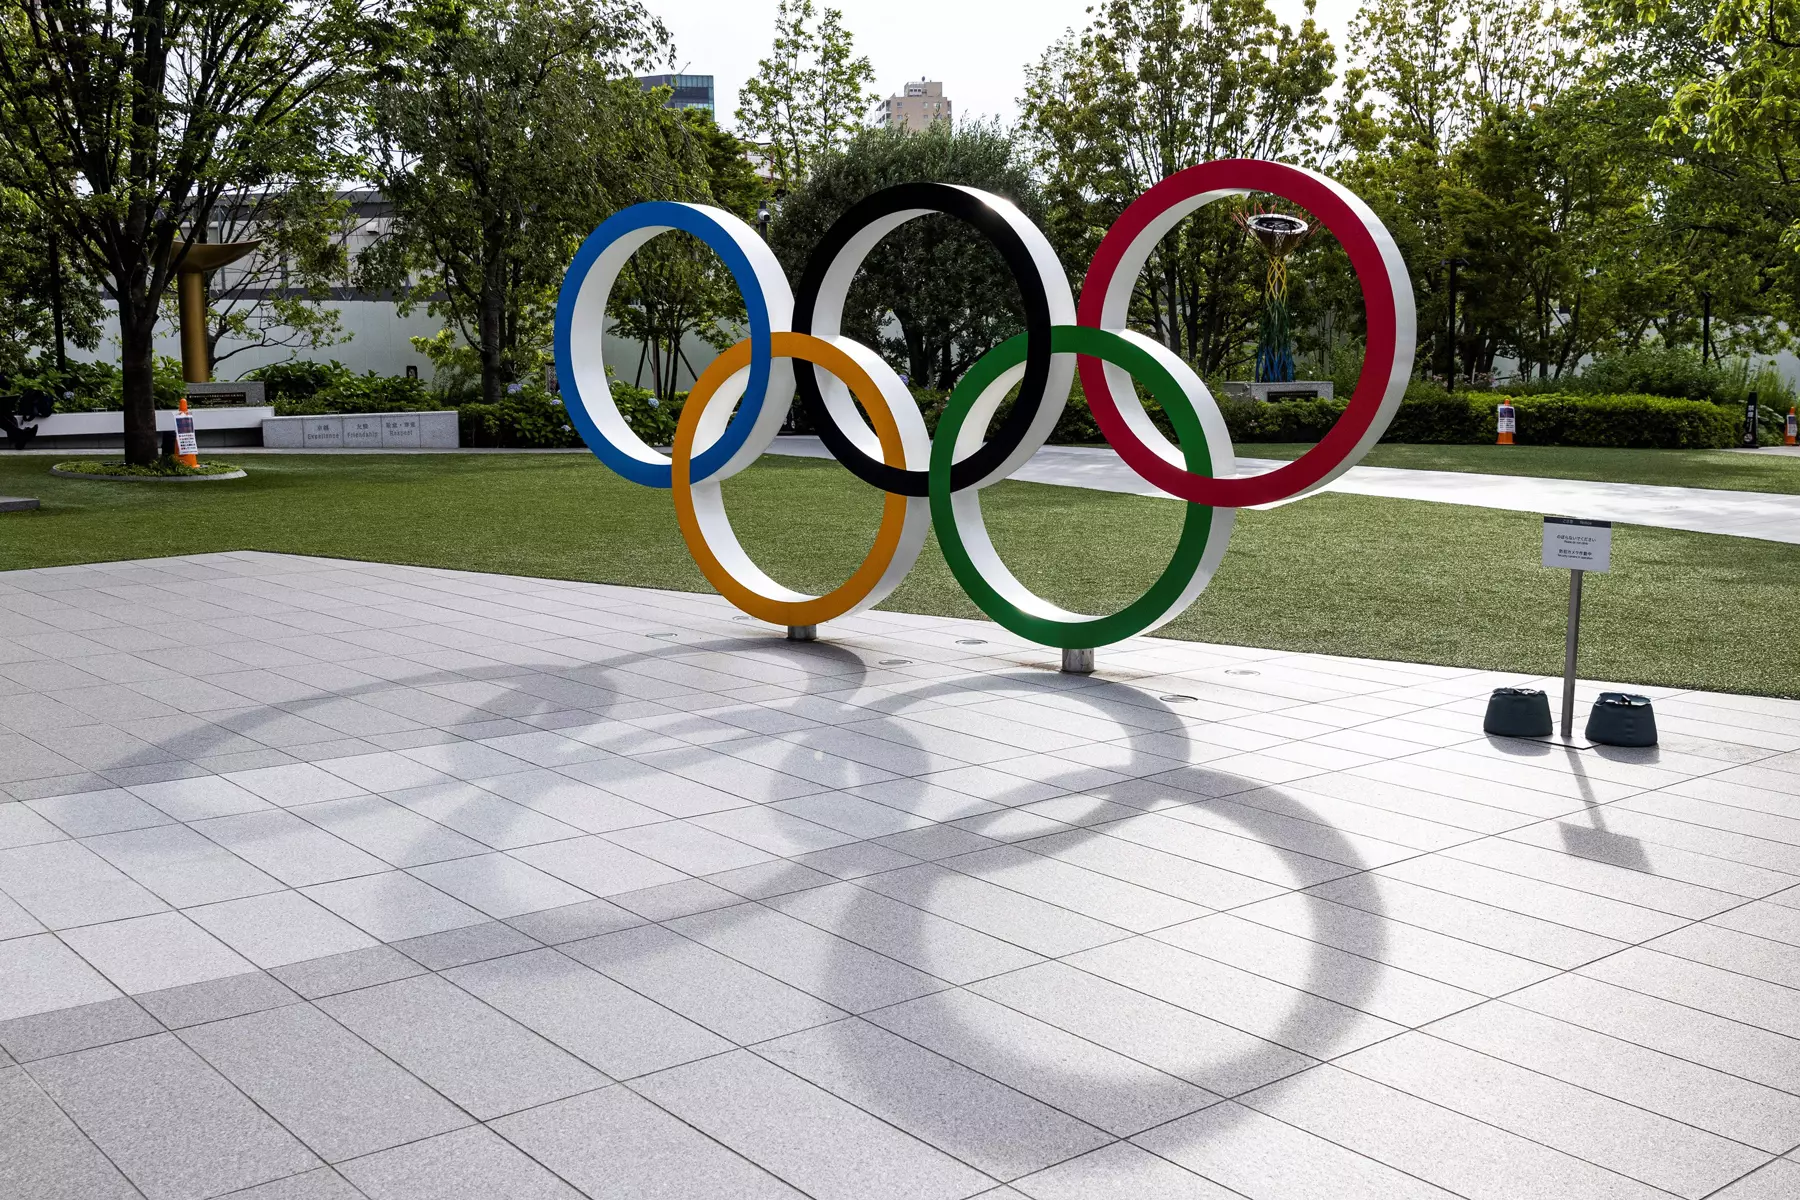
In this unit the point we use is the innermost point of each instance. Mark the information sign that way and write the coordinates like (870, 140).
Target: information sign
(1577, 545)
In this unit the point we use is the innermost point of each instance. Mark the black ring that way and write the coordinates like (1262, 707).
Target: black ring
(969, 208)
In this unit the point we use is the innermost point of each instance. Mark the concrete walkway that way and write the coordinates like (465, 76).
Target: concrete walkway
(1766, 515)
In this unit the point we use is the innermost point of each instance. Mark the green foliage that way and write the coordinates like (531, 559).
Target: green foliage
(129, 120)
(946, 287)
(1430, 416)
(1152, 87)
(650, 418)
(162, 468)
(528, 418)
(503, 131)
(345, 392)
(810, 95)
(297, 379)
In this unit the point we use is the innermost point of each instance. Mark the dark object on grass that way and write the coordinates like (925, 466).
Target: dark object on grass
(1517, 712)
(1620, 719)
(19, 423)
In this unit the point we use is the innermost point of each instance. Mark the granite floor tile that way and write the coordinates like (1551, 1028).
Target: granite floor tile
(1698, 985)
(1707, 1099)
(1627, 1140)
(1311, 966)
(707, 987)
(615, 1145)
(482, 1060)
(582, 806)
(1161, 1035)
(1257, 1156)
(1267, 1008)
(347, 972)
(1773, 1182)
(832, 968)
(294, 784)
(278, 929)
(394, 834)
(87, 813)
(199, 799)
(43, 1156)
(752, 1106)
(605, 1024)
(393, 906)
(1673, 1028)
(573, 922)
(986, 1124)
(1088, 1081)
(180, 866)
(488, 818)
(904, 933)
(469, 1164)
(1437, 1145)
(1025, 921)
(1121, 1169)
(217, 999)
(168, 1121)
(290, 849)
(322, 1184)
(148, 954)
(40, 974)
(64, 884)
(82, 1027)
(597, 866)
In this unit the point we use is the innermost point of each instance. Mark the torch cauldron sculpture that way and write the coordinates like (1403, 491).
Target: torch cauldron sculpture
(1279, 235)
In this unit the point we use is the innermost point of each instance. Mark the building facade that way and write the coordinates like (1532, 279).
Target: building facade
(916, 107)
(690, 91)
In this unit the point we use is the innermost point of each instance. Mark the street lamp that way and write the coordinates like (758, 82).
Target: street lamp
(762, 218)
(1450, 339)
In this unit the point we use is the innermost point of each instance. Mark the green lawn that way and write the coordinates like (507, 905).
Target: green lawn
(1672, 468)
(1339, 574)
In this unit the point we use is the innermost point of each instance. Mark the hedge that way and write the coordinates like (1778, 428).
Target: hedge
(1634, 422)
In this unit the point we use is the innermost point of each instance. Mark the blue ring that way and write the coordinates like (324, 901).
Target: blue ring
(688, 219)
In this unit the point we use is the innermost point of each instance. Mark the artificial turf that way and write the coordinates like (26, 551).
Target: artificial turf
(1336, 574)
(1725, 469)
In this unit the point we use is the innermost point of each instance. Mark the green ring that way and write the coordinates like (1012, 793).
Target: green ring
(1154, 605)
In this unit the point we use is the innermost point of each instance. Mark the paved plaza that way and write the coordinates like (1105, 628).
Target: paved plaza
(324, 879)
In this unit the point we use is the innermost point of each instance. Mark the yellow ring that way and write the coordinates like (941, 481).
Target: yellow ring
(813, 610)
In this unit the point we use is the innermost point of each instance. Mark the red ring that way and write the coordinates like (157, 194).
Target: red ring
(1327, 202)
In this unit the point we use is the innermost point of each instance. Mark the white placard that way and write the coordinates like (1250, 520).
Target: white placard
(1577, 545)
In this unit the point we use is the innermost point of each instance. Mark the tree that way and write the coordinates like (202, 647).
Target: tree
(44, 303)
(128, 119)
(933, 295)
(809, 96)
(504, 132)
(675, 288)
(1152, 87)
(276, 297)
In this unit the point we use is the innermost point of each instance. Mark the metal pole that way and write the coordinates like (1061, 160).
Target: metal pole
(1570, 642)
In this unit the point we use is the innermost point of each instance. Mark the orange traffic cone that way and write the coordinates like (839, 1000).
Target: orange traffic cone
(1508, 423)
(1793, 429)
(187, 447)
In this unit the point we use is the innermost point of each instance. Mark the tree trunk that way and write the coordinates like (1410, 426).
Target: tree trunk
(137, 339)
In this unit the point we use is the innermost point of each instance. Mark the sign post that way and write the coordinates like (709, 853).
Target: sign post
(1750, 421)
(1579, 547)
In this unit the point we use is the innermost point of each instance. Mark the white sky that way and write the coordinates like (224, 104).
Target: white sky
(978, 48)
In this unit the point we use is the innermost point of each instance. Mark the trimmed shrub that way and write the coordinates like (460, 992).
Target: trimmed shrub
(529, 419)
(371, 393)
(1636, 422)
(296, 381)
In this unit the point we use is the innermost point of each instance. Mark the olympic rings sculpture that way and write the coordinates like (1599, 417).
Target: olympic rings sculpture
(795, 346)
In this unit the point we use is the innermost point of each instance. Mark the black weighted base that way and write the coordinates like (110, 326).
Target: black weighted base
(1517, 712)
(1620, 719)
